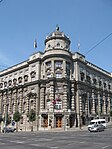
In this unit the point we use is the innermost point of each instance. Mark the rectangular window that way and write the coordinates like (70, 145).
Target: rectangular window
(67, 65)
(58, 105)
(58, 64)
(48, 64)
(48, 75)
(58, 75)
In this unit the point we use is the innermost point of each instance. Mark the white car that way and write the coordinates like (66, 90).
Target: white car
(97, 122)
(96, 128)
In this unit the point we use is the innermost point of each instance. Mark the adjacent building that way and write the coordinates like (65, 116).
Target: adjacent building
(63, 88)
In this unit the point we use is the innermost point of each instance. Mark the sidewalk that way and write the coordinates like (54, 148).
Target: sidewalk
(84, 128)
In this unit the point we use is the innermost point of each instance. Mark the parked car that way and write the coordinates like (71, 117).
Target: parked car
(96, 128)
(97, 122)
(8, 129)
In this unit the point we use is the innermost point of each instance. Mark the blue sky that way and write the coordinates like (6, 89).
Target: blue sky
(87, 21)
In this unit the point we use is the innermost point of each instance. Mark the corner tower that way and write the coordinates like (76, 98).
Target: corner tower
(57, 40)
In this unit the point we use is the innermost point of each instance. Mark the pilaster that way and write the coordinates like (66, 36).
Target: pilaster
(42, 98)
(65, 97)
(93, 102)
(104, 104)
(99, 104)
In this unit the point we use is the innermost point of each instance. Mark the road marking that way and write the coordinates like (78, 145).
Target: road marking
(53, 146)
(2, 143)
(35, 144)
(16, 141)
(105, 147)
(82, 142)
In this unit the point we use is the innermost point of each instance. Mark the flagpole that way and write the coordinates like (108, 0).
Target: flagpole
(35, 44)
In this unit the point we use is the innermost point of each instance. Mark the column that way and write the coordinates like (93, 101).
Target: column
(9, 102)
(65, 97)
(21, 101)
(1, 96)
(52, 96)
(38, 70)
(99, 105)
(73, 98)
(78, 100)
(15, 101)
(64, 68)
(52, 67)
(86, 106)
(80, 104)
(77, 71)
(93, 102)
(27, 105)
(88, 100)
(37, 106)
(42, 98)
(104, 104)
(108, 110)
(4, 103)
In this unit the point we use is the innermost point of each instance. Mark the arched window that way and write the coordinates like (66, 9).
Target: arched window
(5, 84)
(14, 82)
(26, 78)
(20, 80)
(33, 73)
(94, 81)
(88, 79)
(10, 82)
(104, 85)
(1, 85)
(100, 83)
(82, 76)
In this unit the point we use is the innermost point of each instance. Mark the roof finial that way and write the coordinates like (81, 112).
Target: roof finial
(35, 44)
(57, 27)
(79, 45)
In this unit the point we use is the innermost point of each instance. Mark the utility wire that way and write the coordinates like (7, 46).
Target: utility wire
(98, 43)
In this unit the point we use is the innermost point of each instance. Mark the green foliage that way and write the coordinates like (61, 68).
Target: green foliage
(32, 115)
(17, 116)
(111, 113)
(1, 119)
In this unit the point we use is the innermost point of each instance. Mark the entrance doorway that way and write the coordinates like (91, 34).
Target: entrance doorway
(58, 122)
(72, 120)
(45, 122)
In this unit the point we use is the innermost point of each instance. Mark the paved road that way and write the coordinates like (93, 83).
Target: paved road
(57, 140)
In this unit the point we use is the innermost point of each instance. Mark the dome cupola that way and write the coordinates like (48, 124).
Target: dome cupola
(57, 40)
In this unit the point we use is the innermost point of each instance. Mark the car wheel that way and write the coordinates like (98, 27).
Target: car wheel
(98, 130)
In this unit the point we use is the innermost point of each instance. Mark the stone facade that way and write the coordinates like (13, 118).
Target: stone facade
(63, 88)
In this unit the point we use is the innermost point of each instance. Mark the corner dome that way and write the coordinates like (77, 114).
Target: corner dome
(57, 34)
(57, 40)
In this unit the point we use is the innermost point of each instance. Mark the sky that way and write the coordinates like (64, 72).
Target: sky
(84, 21)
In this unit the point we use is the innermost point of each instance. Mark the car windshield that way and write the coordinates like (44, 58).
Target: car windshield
(91, 123)
(102, 122)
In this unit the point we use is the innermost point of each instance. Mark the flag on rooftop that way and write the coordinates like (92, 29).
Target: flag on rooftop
(35, 44)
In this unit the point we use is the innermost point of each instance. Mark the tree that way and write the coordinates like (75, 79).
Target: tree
(1, 119)
(111, 113)
(16, 118)
(32, 117)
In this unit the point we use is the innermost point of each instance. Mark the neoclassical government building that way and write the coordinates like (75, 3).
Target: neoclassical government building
(63, 88)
